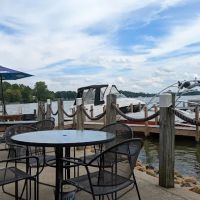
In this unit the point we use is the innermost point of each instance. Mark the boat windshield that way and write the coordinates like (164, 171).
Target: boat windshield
(94, 95)
(116, 92)
(89, 96)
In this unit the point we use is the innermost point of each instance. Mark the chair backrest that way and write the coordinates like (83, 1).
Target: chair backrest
(122, 158)
(122, 132)
(46, 124)
(14, 130)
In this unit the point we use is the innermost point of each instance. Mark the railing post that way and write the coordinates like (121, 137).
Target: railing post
(146, 122)
(110, 111)
(104, 117)
(131, 106)
(48, 115)
(166, 140)
(197, 137)
(80, 118)
(41, 111)
(140, 106)
(91, 111)
(80, 115)
(156, 110)
(74, 118)
(60, 115)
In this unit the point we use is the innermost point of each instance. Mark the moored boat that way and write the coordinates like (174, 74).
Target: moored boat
(95, 95)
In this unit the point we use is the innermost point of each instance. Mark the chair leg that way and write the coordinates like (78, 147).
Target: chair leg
(37, 183)
(136, 186)
(93, 197)
(30, 189)
(26, 182)
(16, 190)
(35, 191)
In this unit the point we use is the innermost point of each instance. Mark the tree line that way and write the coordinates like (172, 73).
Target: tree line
(24, 94)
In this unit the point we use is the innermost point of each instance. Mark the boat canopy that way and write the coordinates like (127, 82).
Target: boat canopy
(93, 94)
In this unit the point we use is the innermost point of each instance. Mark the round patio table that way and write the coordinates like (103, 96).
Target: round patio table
(60, 139)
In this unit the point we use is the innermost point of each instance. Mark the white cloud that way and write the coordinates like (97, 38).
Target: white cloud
(179, 37)
(48, 32)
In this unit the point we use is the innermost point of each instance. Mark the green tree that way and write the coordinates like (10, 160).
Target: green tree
(27, 94)
(13, 95)
(41, 91)
(67, 95)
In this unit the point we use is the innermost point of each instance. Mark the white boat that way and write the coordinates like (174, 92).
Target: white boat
(95, 95)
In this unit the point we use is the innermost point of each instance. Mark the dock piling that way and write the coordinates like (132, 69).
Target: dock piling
(197, 137)
(80, 115)
(48, 115)
(110, 111)
(60, 115)
(166, 143)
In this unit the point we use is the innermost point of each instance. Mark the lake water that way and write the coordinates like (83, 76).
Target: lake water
(187, 151)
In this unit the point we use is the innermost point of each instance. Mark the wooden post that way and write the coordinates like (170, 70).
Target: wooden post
(131, 105)
(104, 118)
(48, 115)
(80, 118)
(156, 110)
(110, 111)
(60, 115)
(146, 133)
(140, 106)
(166, 141)
(91, 111)
(80, 115)
(41, 111)
(73, 119)
(197, 137)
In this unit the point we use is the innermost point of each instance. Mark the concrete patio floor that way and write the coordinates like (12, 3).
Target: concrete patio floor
(148, 187)
(147, 184)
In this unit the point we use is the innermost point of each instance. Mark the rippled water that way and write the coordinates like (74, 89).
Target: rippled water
(187, 155)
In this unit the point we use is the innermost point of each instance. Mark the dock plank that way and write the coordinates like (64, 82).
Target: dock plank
(140, 128)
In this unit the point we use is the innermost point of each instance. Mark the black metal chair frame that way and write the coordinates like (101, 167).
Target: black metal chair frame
(46, 124)
(19, 175)
(100, 157)
(18, 129)
(98, 149)
(39, 152)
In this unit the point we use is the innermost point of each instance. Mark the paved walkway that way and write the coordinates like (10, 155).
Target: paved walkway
(148, 187)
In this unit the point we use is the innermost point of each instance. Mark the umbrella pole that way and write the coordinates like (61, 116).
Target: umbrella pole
(2, 98)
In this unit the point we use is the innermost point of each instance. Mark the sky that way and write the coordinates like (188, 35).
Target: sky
(138, 45)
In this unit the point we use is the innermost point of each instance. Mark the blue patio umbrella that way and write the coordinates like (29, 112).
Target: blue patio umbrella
(9, 74)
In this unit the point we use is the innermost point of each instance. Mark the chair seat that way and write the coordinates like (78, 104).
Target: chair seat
(12, 174)
(106, 184)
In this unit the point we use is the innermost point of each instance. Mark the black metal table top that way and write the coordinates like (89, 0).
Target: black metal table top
(59, 138)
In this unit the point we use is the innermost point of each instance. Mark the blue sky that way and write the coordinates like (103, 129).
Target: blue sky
(137, 45)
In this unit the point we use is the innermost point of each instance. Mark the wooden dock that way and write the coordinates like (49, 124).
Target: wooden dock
(143, 129)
